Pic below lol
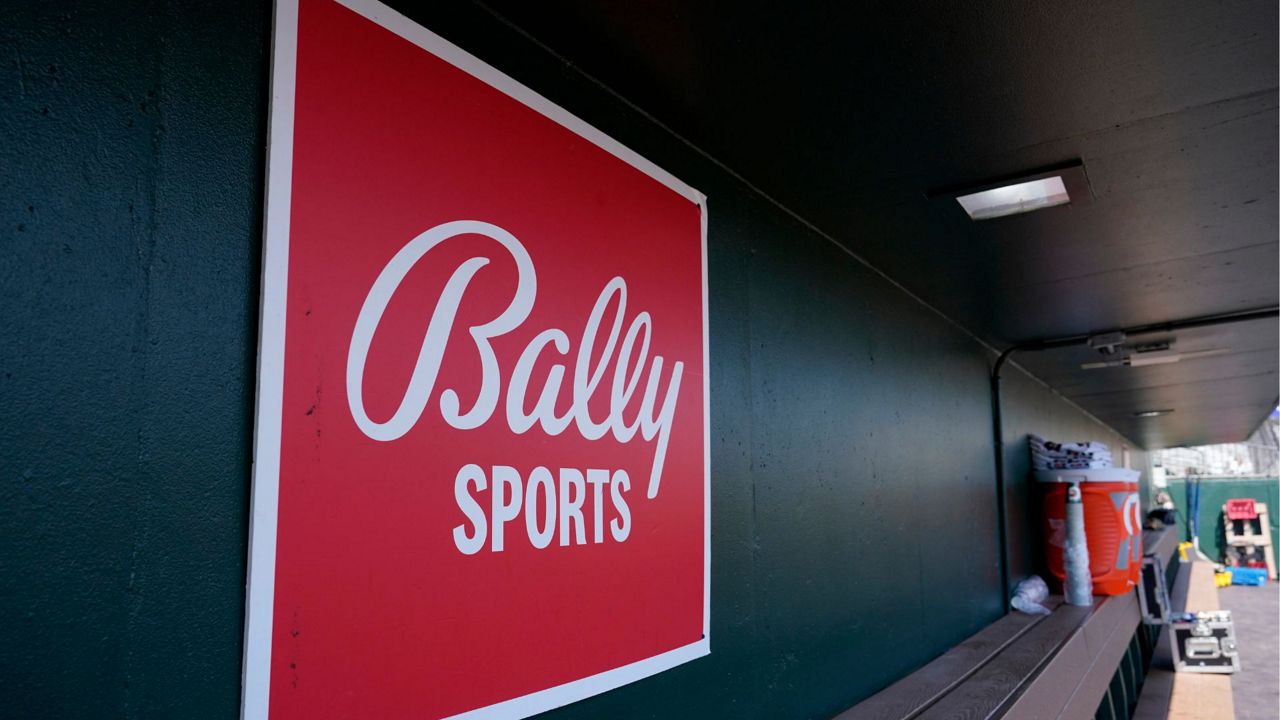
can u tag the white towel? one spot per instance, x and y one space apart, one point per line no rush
1049 455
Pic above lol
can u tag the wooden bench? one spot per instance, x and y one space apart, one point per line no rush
1021 666
1075 663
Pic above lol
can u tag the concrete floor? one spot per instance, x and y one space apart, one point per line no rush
1256 612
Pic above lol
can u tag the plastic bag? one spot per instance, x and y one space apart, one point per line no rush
1029 594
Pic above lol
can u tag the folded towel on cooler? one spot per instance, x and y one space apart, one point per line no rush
1049 455
1068 449
1085 446
1046 455
1073 465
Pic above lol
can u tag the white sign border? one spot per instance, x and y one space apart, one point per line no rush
264 502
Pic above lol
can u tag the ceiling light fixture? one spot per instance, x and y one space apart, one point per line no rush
1013 199
1154 358
1062 184
1152 413
1107 343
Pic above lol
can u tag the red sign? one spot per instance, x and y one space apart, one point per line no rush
481 471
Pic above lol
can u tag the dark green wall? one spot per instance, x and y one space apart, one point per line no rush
130 183
848 421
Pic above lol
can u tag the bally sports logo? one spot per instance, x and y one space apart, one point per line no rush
481 465
564 499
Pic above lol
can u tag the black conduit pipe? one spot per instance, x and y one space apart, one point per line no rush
997 421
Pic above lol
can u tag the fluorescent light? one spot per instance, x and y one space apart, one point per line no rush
1013 199
1154 358
1204 353
1151 413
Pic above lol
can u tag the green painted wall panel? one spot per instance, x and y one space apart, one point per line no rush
1213 495
130 184
848 421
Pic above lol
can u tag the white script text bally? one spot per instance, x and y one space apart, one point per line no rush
652 420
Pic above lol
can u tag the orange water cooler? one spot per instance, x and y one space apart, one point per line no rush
1112 525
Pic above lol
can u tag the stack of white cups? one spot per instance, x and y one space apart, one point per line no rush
1078 587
